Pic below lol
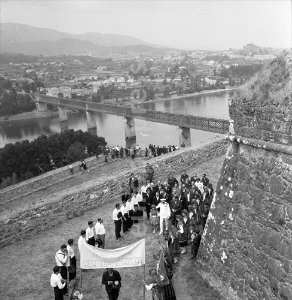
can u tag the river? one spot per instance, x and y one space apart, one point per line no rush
112 127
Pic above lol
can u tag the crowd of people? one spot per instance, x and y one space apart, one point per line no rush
176 209
137 151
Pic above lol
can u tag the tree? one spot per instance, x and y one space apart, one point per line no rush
96 97
26 159
76 152
5 182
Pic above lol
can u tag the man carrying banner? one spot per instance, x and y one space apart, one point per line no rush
58 283
100 233
90 233
112 281
62 260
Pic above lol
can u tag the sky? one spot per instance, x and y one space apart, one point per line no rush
209 24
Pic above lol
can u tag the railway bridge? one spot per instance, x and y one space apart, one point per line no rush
184 122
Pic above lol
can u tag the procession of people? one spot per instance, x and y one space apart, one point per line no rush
176 210
116 152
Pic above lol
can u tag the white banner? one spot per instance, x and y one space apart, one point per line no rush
97 258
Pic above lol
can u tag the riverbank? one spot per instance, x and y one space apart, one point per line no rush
129 103
35 114
185 96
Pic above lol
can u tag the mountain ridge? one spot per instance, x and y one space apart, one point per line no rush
27 39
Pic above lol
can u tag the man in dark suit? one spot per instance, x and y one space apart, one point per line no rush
184 177
148 202
112 281
133 183
196 243
171 180
165 196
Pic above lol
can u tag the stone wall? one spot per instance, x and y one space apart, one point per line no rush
246 248
263 109
34 184
31 221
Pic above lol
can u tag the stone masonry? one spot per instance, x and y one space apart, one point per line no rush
246 248
30 221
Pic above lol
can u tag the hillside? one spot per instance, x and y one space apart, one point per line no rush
30 40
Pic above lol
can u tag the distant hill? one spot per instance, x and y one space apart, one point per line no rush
26 39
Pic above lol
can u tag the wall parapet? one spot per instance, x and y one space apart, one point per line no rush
262 144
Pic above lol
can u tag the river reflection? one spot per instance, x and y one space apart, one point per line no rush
112 127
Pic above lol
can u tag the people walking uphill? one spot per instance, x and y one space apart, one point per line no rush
196 239
164 213
148 202
100 233
112 281
153 218
149 172
125 213
72 259
133 183
117 217
187 205
58 283
62 261
83 166
90 233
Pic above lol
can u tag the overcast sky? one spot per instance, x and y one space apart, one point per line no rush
183 24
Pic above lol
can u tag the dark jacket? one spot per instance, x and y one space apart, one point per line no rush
106 277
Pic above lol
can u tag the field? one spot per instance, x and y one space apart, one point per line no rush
27 264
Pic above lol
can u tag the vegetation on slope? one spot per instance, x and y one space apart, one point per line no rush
23 160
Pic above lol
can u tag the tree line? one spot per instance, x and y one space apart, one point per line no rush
15 97
23 160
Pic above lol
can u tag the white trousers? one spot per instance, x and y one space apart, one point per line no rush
163 220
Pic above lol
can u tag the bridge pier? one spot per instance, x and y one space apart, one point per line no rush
130 133
91 122
41 106
184 136
63 118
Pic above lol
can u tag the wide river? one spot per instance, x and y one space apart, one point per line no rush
112 127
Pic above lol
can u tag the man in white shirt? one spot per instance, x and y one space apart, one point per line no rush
125 213
131 209
139 197
72 259
90 233
164 214
82 237
62 262
100 232
134 199
117 217
58 283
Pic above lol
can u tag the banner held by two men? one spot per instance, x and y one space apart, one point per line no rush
97 258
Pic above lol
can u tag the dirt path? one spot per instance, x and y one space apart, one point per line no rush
188 283
27 264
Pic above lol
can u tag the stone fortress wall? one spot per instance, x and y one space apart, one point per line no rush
246 248
31 221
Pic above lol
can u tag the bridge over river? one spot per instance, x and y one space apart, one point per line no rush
183 121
